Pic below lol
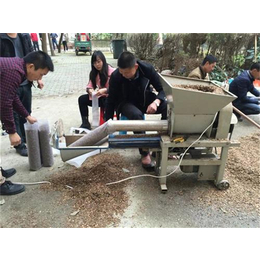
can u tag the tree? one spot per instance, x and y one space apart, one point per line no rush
59 45
44 43
51 48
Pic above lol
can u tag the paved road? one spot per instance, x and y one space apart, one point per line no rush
71 74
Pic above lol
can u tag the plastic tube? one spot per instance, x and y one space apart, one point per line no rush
33 145
45 147
95 110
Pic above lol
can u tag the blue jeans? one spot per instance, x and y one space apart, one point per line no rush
248 108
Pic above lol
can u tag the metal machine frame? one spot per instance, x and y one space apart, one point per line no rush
201 158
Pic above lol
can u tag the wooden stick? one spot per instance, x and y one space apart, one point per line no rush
246 117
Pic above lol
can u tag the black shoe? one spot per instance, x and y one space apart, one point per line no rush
149 167
22 150
8 173
8 188
86 125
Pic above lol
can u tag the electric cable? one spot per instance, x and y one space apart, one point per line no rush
181 158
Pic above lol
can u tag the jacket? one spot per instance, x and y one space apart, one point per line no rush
123 90
12 74
241 85
198 74
34 37
7 47
98 84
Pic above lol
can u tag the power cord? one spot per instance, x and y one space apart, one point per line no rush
181 158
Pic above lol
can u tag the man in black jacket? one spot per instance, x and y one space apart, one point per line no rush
19 45
131 95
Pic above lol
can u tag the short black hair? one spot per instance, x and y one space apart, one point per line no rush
40 60
126 60
210 58
256 66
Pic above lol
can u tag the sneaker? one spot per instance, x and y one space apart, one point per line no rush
8 173
8 188
22 150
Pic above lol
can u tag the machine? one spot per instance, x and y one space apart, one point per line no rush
197 133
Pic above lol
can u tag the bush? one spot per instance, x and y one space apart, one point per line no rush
143 45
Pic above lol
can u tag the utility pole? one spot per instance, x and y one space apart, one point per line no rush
255 47
160 38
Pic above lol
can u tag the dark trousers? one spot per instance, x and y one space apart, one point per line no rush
248 108
134 112
84 102
36 46
65 46
25 95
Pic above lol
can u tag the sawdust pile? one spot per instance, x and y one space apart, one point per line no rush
243 173
210 89
95 203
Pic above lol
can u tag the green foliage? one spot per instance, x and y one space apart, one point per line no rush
102 36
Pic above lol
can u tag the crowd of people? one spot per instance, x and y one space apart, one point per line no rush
132 89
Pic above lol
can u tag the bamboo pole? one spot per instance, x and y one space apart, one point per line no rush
246 117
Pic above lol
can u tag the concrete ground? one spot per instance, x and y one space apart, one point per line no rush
179 207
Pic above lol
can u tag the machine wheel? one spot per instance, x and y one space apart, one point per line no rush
223 185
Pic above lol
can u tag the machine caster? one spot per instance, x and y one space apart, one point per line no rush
222 185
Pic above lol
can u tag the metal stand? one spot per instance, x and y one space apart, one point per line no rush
200 158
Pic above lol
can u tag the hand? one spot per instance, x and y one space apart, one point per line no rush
15 139
101 92
90 90
40 84
151 109
31 119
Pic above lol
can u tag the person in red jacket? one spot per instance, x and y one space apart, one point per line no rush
34 38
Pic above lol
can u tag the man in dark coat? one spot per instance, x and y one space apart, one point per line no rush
131 95
243 84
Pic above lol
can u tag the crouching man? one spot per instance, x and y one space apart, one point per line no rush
131 95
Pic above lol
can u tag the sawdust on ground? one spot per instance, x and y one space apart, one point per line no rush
96 204
243 173
99 205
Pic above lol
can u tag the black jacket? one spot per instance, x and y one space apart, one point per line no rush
135 91
7 47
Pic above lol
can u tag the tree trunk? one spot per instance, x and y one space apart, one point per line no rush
44 43
59 46
51 48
